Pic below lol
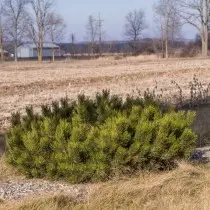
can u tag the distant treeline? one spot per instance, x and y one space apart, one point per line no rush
182 48
145 46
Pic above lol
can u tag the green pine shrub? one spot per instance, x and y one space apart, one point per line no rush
92 139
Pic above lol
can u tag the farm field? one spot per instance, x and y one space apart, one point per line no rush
31 83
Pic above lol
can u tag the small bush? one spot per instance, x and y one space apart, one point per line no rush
89 140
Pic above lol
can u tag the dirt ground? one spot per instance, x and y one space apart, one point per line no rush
31 83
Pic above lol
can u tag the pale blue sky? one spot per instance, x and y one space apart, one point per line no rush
113 12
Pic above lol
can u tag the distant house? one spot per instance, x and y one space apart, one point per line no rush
30 50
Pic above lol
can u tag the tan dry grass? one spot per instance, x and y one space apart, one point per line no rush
186 188
7 172
55 202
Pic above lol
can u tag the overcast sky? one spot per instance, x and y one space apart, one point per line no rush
113 12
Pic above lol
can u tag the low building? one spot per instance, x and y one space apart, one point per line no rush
30 50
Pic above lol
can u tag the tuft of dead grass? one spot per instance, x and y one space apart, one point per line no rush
187 187
55 202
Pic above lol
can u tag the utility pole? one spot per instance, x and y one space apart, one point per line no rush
73 44
94 28
100 25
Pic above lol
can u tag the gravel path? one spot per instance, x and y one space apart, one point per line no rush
16 190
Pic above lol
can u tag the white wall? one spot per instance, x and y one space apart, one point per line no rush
27 52
23 52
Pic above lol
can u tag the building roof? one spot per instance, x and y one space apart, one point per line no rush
45 45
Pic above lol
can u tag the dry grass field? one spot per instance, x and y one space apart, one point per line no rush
26 83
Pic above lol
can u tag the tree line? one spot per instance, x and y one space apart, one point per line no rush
36 21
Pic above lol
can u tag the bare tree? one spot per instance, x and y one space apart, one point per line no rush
197 14
14 11
56 30
176 27
168 22
134 26
92 32
39 23
2 31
